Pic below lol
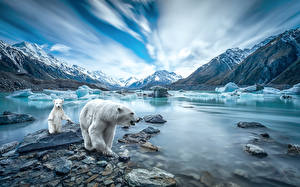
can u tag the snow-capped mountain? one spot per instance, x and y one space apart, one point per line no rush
31 59
127 82
105 79
161 77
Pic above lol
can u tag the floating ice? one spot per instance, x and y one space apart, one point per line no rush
22 93
270 90
229 87
40 97
66 95
295 90
84 90
89 96
252 88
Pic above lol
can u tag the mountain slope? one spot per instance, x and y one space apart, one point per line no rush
161 78
31 60
218 66
269 62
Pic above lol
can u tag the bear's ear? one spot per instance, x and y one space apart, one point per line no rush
54 100
120 109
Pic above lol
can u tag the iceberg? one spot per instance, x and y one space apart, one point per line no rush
84 90
270 90
40 97
295 90
66 95
22 93
229 87
252 88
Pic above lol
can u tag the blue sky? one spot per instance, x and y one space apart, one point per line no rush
137 37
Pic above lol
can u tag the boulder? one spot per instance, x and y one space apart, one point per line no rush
265 135
41 139
149 145
255 150
151 130
154 177
140 137
159 91
124 156
10 118
293 149
8 147
157 118
243 124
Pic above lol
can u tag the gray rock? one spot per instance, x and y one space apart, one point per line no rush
154 177
89 160
157 118
159 91
43 140
108 182
8 147
150 146
124 156
6 162
10 118
28 165
151 130
293 149
242 124
102 163
63 166
265 135
255 150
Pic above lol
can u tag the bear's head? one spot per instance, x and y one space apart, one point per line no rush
126 116
58 103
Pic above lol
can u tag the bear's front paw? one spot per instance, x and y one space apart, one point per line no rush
109 153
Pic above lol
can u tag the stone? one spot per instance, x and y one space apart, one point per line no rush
62 166
8 147
28 165
241 173
151 130
156 118
102 163
293 149
265 135
41 139
108 182
108 170
124 156
6 162
242 124
159 91
149 145
41 154
207 179
10 118
89 160
255 150
227 184
93 177
153 177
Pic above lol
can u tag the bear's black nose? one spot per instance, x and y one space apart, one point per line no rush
132 122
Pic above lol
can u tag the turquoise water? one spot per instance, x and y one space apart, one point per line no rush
200 135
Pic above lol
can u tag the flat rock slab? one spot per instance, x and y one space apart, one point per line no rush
243 124
140 137
157 118
10 118
255 150
41 139
8 147
154 177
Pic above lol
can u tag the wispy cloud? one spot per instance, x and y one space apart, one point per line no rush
60 48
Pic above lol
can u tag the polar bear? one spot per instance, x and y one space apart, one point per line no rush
98 120
56 115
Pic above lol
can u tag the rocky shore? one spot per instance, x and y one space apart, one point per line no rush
42 159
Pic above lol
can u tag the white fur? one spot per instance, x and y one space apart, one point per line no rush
56 115
98 120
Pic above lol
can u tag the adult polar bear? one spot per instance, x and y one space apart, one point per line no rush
98 120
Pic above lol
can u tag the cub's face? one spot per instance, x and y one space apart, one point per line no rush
58 103
126 116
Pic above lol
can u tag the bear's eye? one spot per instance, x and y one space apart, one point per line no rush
131 113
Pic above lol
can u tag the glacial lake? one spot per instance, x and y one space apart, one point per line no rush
200 134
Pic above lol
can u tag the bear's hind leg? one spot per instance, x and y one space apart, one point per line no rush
51 127
96 135
87 139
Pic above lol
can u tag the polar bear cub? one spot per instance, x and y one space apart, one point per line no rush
98 120
56 115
